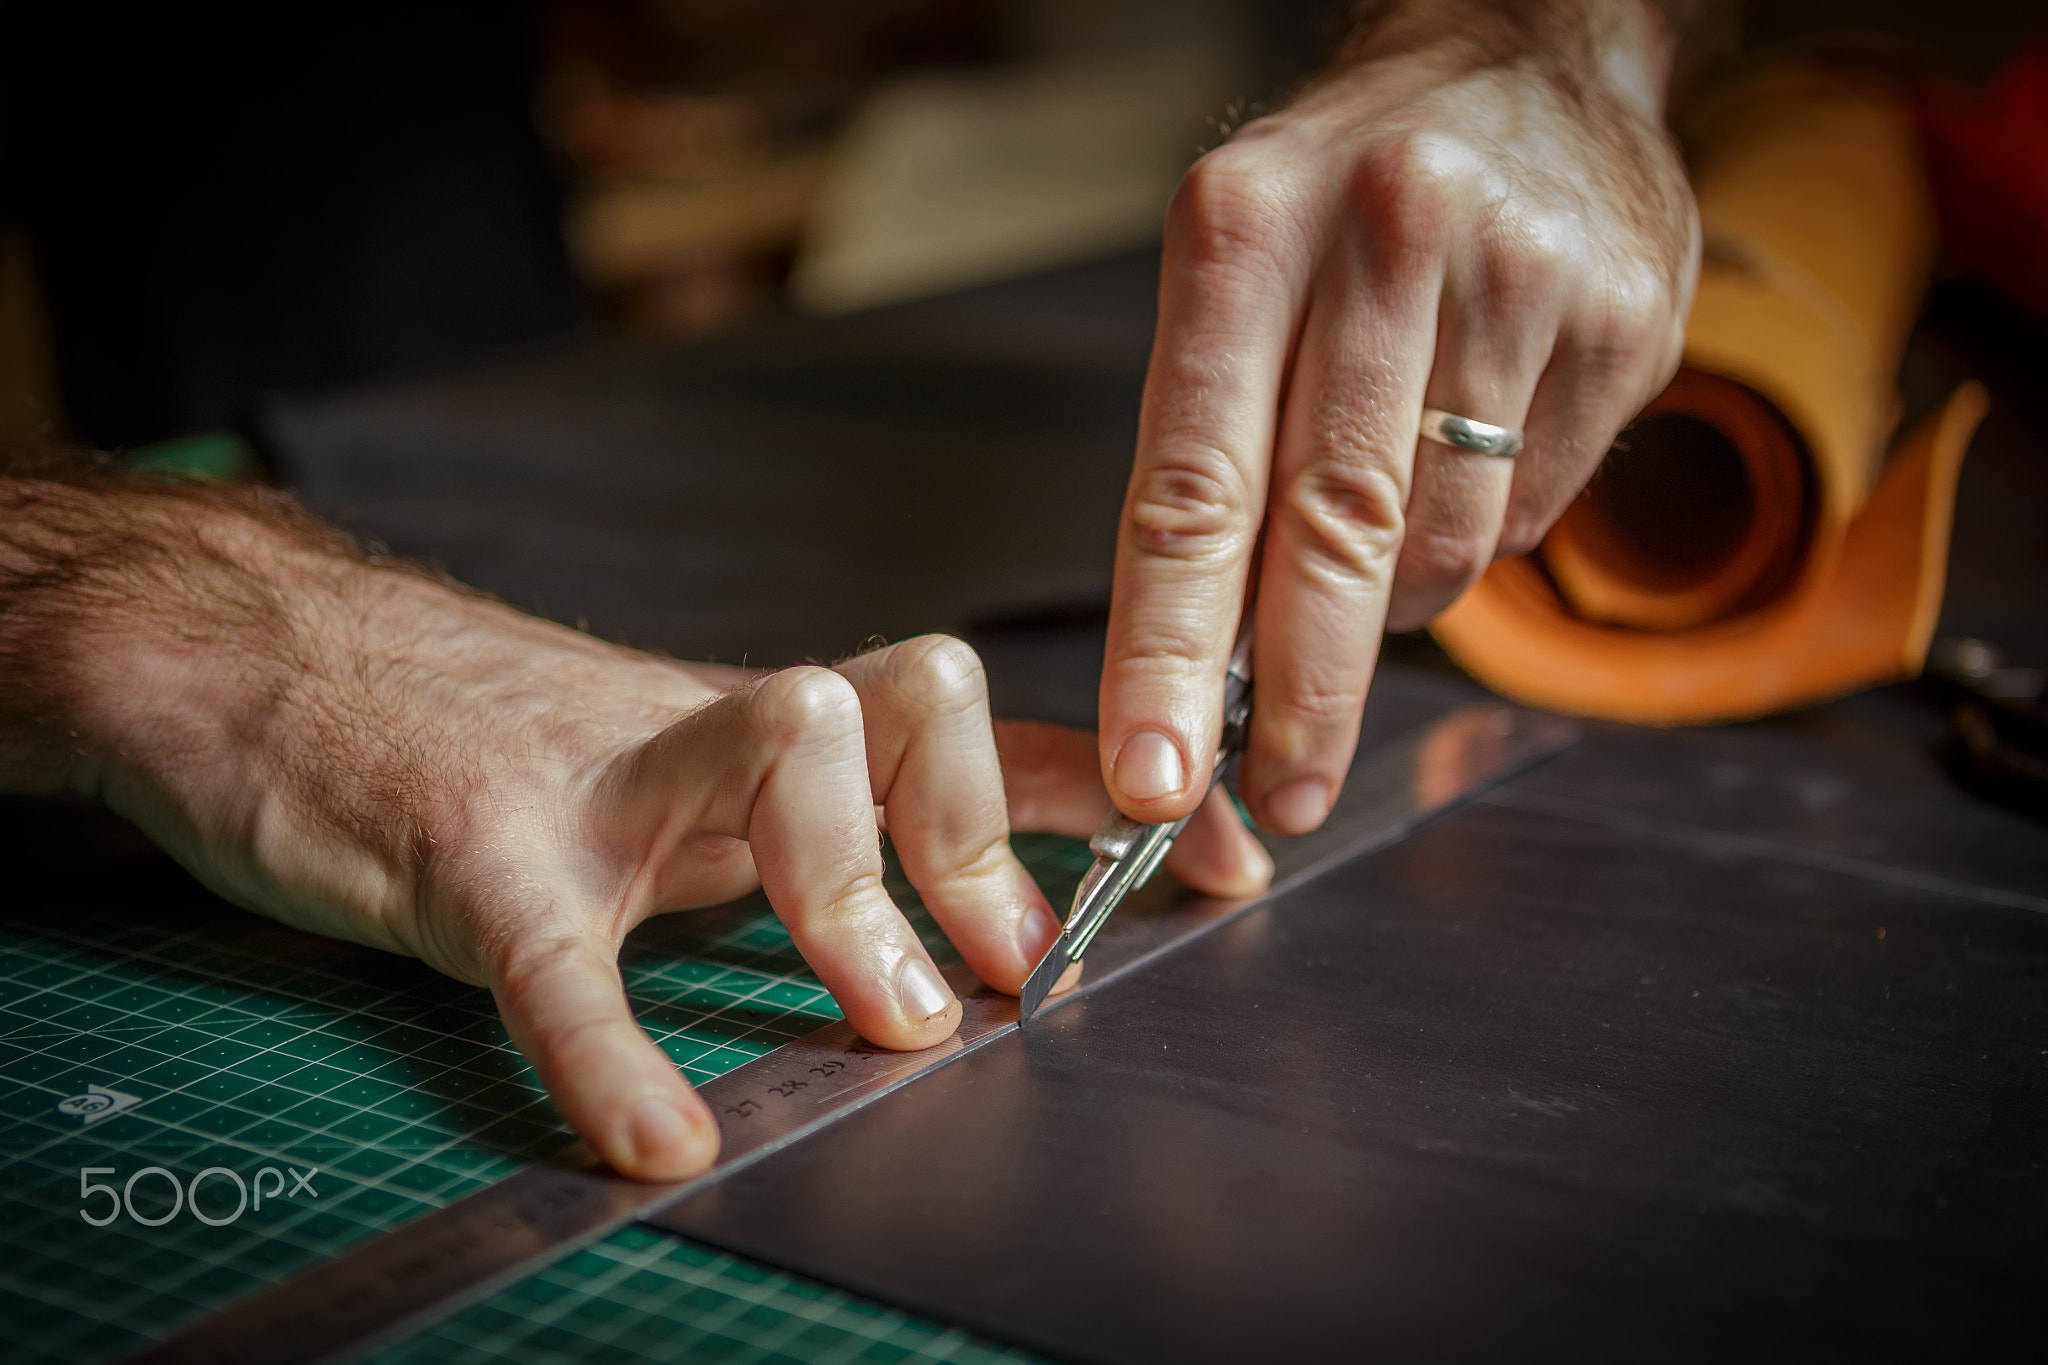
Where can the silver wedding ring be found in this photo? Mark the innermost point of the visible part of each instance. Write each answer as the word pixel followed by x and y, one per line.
pixel 1462 433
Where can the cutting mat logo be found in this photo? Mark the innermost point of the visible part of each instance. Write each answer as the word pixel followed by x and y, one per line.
pixel 98 1102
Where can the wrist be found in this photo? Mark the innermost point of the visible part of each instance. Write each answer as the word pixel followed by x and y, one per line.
pixel 1623 49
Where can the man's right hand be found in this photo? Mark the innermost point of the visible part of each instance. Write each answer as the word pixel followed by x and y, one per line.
pixel 366 752
pixel 1475 209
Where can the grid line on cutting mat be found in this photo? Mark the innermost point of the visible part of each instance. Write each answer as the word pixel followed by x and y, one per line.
pixel 251 1045
pixel 644 1296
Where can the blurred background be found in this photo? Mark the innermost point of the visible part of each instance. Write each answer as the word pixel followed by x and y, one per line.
pixel 206 203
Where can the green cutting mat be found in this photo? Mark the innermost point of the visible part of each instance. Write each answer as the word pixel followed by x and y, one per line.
pixel 643 1295
pixel 375 1090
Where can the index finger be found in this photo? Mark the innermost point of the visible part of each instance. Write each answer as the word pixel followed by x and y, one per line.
pixel 1231 284
pixel 933 764
pixel 782 764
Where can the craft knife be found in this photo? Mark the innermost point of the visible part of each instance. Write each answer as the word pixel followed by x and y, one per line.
pixel 1127 852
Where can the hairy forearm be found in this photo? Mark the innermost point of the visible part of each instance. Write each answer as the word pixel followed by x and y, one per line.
pixel 220 667
pixel 119 599
pixel 148 626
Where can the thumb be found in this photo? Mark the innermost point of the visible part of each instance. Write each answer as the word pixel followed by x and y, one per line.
pixel 565 1006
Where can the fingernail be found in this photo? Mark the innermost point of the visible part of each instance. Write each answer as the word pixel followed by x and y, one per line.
pixel 923 995
pixel 1036 929
pixel 658 1135
pixel 1149 767
pixel 1258 862
pixel 1297 807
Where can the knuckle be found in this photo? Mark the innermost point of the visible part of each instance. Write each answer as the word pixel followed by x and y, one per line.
pixel 581 1035
pixel 1349 518
pixel 1519 535
pixel 857 896
pixel 1522 274
pixel 799 703
pixel 1225 213
pixel 1534 510
pixel 1440 560
pixel 990 874
pixel 1606 352
pixel 1191 506
pixel 1313 708
pixel 938 672
pixel 1402 192
pixel 521 960
pixel 1624 325
pixel 1670 357
pixel 1300 726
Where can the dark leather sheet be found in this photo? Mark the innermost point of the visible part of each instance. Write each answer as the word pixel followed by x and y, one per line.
pixel 1526 1083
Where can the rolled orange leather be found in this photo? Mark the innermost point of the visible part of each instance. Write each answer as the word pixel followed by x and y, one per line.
pixel 1748 547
